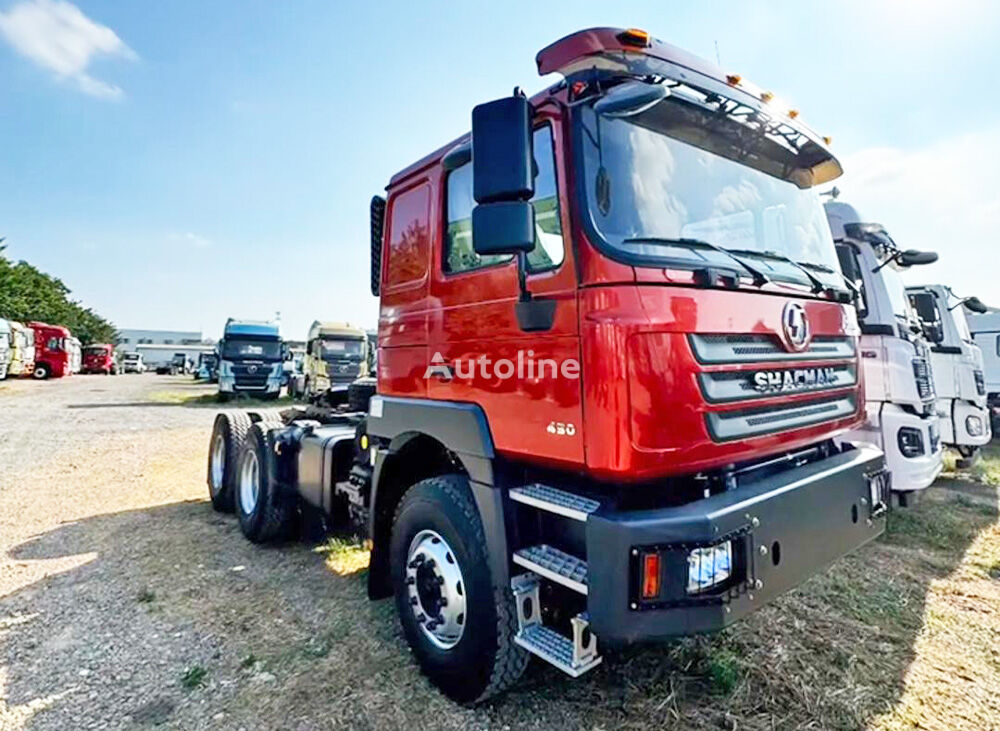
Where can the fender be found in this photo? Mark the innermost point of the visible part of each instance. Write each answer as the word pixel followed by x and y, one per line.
pixel 463 429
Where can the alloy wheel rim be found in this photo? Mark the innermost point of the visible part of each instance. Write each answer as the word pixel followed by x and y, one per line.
pixel 218 463
pixel 249 482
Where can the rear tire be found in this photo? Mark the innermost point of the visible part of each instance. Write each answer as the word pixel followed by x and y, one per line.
pixel 265 508
pixel 483 659
pixel 228 434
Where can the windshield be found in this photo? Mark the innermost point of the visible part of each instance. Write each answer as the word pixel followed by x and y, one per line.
pixel 897 292
pixel 96 351
pixel 340 349
pixel 252 349
pixel 645 189
pixel 131 356
pixel 961 323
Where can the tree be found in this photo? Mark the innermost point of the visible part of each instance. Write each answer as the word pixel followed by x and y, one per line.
pixel 29 294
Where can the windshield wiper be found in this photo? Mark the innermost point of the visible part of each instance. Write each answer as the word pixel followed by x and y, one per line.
pixel 818 286
pixel 759 278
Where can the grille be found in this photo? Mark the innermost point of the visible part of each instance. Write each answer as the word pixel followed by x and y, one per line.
pixel 729 425
pixel 922 373
pixel 745 348
pixel 728 386
pixel 245 379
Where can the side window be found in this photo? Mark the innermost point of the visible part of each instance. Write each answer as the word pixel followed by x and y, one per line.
pixel 408 236
pixel 459 255
pixel 998 345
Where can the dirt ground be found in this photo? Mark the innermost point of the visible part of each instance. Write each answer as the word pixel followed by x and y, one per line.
pixel 126 602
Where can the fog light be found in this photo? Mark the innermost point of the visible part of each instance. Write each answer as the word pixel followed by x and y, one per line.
pixel 974 425
pixel 708 567
pixel 650 576
pixel 911 441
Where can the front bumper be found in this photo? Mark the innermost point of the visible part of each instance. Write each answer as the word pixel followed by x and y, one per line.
pixel 784 528
pixel 882 430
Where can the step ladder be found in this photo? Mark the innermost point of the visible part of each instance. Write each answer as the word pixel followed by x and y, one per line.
pixel 573 655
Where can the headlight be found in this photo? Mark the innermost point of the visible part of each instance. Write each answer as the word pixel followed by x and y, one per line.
pixel 911 441
pixel 708 567
pixel 974 425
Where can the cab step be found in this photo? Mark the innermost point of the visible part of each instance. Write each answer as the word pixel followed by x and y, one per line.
pixel 554 500
pixel 574 656
pixel 553 564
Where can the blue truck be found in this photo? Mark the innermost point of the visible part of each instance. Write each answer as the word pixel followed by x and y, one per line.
pixel 251 354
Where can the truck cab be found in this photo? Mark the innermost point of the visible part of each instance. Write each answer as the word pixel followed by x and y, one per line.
pixel 207 368
pixel 985 329
pixel 57 352
pixel 957 367
pixel 251 354
pixel 132 362
pixel 22 350
pixel 336 354
pixel 900 414
pixel 99 358
pixel 5 347
pixel 615 357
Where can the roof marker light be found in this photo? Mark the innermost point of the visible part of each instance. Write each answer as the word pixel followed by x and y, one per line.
pixel 635 37
pixel 827 140
pixel 793 113
pixel 733 79
pixel 766 96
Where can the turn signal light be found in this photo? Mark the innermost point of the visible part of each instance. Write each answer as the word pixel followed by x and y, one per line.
pixel 635 37
pixel 650 575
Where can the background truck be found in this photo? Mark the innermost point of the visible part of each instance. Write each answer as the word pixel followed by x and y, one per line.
pixel 132 362
pixel 957 367
pixel 643 446
pixel 207 368
pixel 985 329
pixel 22 353
pixel 901 418
pixel 251 354
pixel 5 347
pixel 100 358
pixel 336 354
pixel 57 352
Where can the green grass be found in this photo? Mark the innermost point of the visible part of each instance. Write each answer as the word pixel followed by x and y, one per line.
pixel 193 677
pixel 724 670
pixel 194 398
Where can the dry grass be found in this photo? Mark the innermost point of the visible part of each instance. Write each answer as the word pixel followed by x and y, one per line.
pixel 904 634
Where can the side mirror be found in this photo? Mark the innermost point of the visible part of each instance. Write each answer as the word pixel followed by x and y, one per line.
pixel 912 257
pixel 503 182
pixel 934 332
pixel 630 98
pixel 976 305
pixel 377 211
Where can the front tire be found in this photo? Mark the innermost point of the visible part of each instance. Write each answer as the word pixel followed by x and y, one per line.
pixel 228 434
pixel 264 506
pixel 438 551
pixel 41 372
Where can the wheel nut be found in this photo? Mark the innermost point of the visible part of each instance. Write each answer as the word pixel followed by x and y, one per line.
pixel 410 581
pixel 763 550
pixel 440 581
pixel 444 601
pixel 416 562
pixel 413 601
pixel 421 618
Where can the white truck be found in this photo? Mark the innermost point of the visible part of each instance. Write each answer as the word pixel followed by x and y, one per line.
pixel 985 328
pixel 901 418
pixel 957 366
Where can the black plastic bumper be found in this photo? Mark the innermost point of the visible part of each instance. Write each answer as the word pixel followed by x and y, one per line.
pixel 783 529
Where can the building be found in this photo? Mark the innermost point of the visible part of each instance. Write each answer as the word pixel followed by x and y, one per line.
pixel 128 339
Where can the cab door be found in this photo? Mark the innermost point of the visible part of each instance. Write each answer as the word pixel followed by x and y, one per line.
pixel 527 381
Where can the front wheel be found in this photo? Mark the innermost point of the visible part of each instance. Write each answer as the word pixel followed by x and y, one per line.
pixel 41 372
pixel 460 626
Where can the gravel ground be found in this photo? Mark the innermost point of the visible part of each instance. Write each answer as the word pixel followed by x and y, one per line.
pixel 126 602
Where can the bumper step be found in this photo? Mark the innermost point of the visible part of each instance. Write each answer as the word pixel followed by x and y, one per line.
pixel 554 500
pixel 553 564
pixel 574 656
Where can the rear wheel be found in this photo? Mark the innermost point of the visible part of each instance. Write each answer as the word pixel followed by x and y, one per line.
pixel 265 508
pixel 228 434
pixel 460 626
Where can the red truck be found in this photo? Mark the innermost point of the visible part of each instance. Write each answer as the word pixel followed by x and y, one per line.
pixel 57 352
pixel 614 350
pixel 99 358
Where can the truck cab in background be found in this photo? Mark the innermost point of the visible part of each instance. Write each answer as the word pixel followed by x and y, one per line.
pixel 900 414
pixel 132 362
pixel 99 358
pixel 22 353
pixel 985 329
pixel 5 347
pixel 336 354
pixel 207 368
pixel 57 352
pixel 957 368
pixel 251 356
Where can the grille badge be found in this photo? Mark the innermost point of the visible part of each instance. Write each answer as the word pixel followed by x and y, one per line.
pixel 795 326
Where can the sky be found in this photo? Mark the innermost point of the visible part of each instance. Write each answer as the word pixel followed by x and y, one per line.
pixel 179 163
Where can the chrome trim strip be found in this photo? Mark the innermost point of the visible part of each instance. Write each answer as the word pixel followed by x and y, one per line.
pixel 748 348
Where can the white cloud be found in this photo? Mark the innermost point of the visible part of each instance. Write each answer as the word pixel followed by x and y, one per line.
pixel 943 197
pixel 192 239
pixel 57 36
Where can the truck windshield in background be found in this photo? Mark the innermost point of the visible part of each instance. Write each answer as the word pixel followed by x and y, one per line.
pixel 237 349
pixel 681 171
pixel 336 350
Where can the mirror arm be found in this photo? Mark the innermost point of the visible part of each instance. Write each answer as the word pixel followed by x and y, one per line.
pixel 522 277
pixel 891 259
